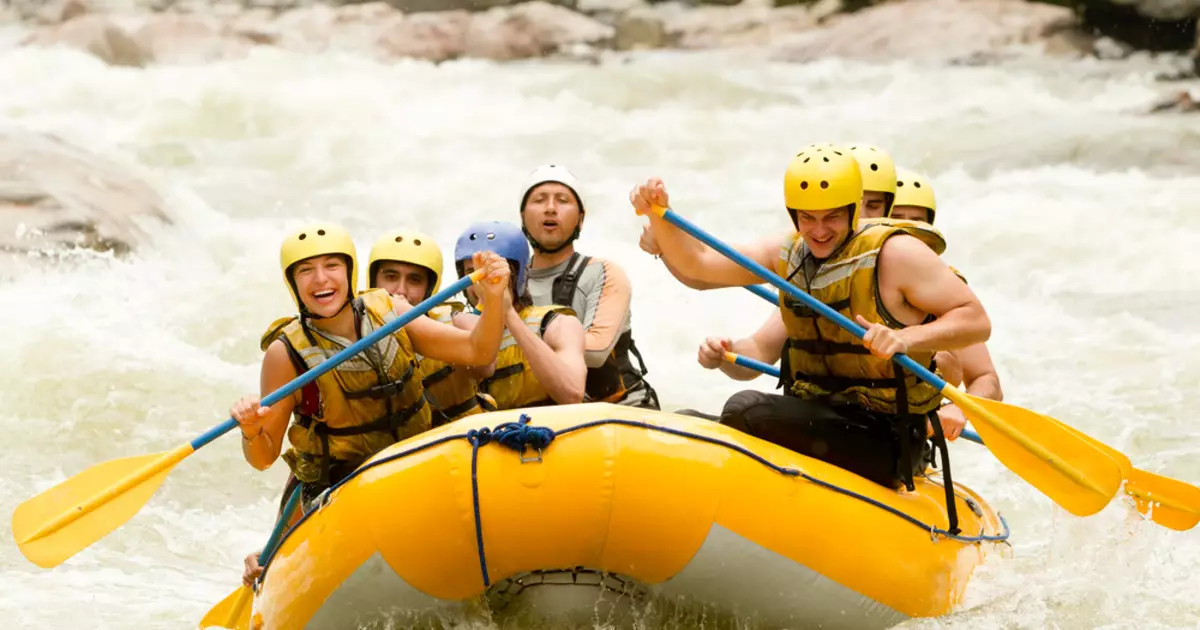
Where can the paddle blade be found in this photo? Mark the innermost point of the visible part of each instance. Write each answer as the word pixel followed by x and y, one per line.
pixel 62 521
pixel 1070 470
pixel 1176 504
pixel 1120 458
pixel 233 612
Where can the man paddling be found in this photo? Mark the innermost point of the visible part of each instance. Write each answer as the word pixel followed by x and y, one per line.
pixel 552 214
pixel 845 401
pixel 971 366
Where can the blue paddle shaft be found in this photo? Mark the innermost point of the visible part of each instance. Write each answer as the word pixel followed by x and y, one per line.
pixel 337 359
pixel 764 293
pixel 754 364
pixel 792 290
pixel 281 524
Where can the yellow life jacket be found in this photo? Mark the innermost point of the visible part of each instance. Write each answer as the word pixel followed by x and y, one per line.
pixel 365 404
pixel 451 392
pixel 920 229
pixel 513 384
pixel 821 360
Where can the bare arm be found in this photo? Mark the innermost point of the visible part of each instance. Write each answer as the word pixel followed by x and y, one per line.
pixel 277 371
pixel 766 345
pixel 556 359
pixel 452 344
pixel 650 246
pixel 466 321
pixel 701 264
pixel 915 281
pixel 979 374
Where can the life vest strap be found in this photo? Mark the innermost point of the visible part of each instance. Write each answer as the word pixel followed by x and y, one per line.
pixel 385 390
pixel 438 376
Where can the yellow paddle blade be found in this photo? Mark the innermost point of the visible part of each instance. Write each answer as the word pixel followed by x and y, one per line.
pixel 1071 471
pixel 233 612
pixel 1176 504
pixel 62 521
pixel 1120 458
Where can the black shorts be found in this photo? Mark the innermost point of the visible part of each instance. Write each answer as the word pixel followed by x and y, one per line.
pixel 863 442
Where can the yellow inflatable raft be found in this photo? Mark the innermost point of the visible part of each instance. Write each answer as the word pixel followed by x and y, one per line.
pixel 637 502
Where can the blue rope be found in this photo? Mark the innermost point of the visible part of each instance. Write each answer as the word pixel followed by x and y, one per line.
pixel 515 435
pixel 520 435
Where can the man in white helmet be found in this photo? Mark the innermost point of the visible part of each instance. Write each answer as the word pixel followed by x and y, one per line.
pixel 552 213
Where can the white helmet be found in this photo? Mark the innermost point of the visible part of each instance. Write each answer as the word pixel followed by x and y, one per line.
pixel 561 175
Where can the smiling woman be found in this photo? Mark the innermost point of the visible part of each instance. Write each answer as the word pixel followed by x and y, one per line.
pixel 371 400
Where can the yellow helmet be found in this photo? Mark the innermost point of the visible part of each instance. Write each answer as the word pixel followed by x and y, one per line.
pixel 823 177
pixel 317 239
pixel 410 247
pixel 878 172
pixel 914 189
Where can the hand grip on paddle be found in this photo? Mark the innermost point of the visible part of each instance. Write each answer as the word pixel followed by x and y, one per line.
pixel 1071 471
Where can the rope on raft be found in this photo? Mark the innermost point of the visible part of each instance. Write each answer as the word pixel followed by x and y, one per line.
pixel 521 435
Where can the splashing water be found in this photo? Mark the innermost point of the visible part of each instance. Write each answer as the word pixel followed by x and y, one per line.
pixel 1073 218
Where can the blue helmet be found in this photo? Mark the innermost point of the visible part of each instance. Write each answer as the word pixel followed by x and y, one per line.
pixel 505 239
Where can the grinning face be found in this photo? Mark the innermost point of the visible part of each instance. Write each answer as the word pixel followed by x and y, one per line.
pixel 322 283
pixel 551 214
pixel 404 279
pixel 823 230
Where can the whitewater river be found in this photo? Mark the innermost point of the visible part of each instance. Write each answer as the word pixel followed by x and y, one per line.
pixel 1076 220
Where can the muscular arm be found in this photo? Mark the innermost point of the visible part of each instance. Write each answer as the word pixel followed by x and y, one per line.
pixel 277 371
pixel 702 264
pixel 466 321
pixel 453 345
pixel 556 359
pixel 979 374
pixel 766 345
pixel 915 281
pixel 686 281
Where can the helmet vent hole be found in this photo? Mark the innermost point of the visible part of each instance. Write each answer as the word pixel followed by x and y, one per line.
pixel 807 159
pixel 824 185
pixel 417 242
pixel 874 167
pixel 917 185
pixel 826 159
pixel 303 236
pixel 803 185
pixel 320 232
pixel 399 239
pixel 491 236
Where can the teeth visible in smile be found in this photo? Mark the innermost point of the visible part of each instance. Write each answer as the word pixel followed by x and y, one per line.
pixel 324 294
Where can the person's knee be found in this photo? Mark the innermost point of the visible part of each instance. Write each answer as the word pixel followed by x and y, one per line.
pixel 742 404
